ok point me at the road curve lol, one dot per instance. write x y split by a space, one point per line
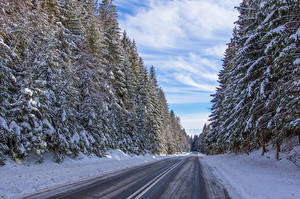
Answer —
178 177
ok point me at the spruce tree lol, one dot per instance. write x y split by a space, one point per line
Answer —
70 85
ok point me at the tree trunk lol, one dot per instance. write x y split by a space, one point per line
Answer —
248 151
263 148
277 151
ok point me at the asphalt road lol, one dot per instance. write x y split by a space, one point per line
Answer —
178 177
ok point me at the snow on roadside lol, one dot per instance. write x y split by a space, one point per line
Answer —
256 176
16 180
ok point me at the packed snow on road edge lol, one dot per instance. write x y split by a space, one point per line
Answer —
20 180
255 176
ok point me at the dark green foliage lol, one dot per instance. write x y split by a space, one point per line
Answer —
70 84
258 97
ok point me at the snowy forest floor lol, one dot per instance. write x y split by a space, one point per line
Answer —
21 180
255 176
244 176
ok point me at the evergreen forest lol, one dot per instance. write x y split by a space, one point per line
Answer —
72 83
257 101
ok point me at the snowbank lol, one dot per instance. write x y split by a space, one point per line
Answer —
19 180
256 176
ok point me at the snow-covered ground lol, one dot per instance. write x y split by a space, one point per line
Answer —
256 176
244 176
19 180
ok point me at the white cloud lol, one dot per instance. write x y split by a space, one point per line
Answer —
217 51
192 70
182 98
186 79
228 4
186 95
194 121
184 40
174 24
129 3
155 27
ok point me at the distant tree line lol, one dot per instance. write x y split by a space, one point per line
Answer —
71 83
198 142
258 98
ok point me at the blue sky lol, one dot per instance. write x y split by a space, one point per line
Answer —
185 41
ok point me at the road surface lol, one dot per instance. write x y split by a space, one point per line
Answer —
178 177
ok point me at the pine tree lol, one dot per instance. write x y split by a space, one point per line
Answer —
222 99
165 123
70 85
259 102
281 25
